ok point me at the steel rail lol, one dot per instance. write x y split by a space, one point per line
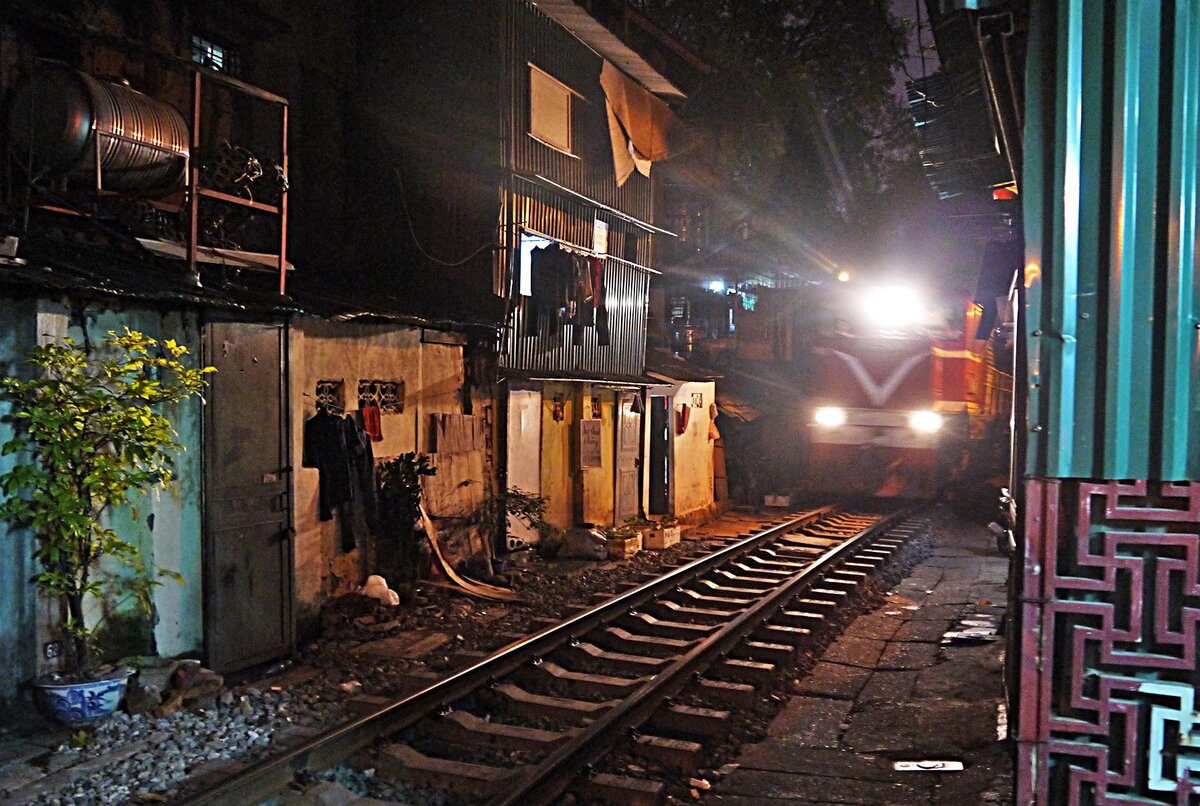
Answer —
261 781
551 778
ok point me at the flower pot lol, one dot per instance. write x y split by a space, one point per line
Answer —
82 702
663 537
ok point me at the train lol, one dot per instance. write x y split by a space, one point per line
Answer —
904 399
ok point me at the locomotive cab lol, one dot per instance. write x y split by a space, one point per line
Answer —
876 425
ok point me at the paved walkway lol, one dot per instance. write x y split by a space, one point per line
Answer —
890 690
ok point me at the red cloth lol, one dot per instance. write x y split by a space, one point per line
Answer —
372 422
682 417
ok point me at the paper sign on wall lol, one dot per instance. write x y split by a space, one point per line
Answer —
589 443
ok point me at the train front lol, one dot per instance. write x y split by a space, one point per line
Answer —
875 426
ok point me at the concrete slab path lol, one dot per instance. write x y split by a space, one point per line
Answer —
890 689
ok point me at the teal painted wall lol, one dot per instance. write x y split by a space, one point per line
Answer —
18 649
1111 197
168 526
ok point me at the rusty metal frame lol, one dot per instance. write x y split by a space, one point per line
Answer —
196 189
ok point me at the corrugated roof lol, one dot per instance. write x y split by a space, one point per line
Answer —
119 268
590 32
673 369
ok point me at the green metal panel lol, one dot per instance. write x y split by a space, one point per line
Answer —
1110 204
1181 357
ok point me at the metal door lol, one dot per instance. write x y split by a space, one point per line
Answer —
248 546
629 445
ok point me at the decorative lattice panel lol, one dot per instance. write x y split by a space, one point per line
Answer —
1110 602
387 395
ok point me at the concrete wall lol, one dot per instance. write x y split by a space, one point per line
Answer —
167 529
323 350
693 451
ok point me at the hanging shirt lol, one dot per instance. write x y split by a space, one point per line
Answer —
325 449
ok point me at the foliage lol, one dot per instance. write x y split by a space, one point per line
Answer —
528 508
93 430
399 481
800 130
400 485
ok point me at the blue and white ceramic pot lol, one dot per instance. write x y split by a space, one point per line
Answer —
83 702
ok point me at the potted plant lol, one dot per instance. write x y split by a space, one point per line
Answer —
666 533
623 541
91 434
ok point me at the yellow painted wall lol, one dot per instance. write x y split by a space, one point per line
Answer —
599 482
693 451
557 469
324 350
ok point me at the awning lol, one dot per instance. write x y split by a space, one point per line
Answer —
638 124
588 30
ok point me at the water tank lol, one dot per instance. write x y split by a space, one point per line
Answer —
57 115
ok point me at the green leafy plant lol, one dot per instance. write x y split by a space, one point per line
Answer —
399 482
529 508
94 435
620 532
668 520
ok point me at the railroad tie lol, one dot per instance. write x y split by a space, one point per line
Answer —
513 699
402 762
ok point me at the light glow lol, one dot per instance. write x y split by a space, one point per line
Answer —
893 306
843 276
830 416
928 422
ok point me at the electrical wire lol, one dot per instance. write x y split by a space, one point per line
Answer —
417 241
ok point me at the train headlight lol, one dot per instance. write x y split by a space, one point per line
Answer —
892 307
925 421
830 416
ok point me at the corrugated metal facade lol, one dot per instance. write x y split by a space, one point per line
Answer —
532 205
1110 206
532 38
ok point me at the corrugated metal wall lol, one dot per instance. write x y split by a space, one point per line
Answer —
532 206
547 351
534 38
1110 207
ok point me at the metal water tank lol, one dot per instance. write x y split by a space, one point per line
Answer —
58 115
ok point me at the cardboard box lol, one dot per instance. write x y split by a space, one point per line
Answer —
662 538
620 548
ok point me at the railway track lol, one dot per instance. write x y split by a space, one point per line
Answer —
653 672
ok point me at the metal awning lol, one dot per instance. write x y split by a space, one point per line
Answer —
604 42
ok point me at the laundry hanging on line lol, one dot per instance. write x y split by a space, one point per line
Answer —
566 288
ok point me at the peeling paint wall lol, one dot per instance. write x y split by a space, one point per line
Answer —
693 465
167 529
433 376
599 484
557 467
18 646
